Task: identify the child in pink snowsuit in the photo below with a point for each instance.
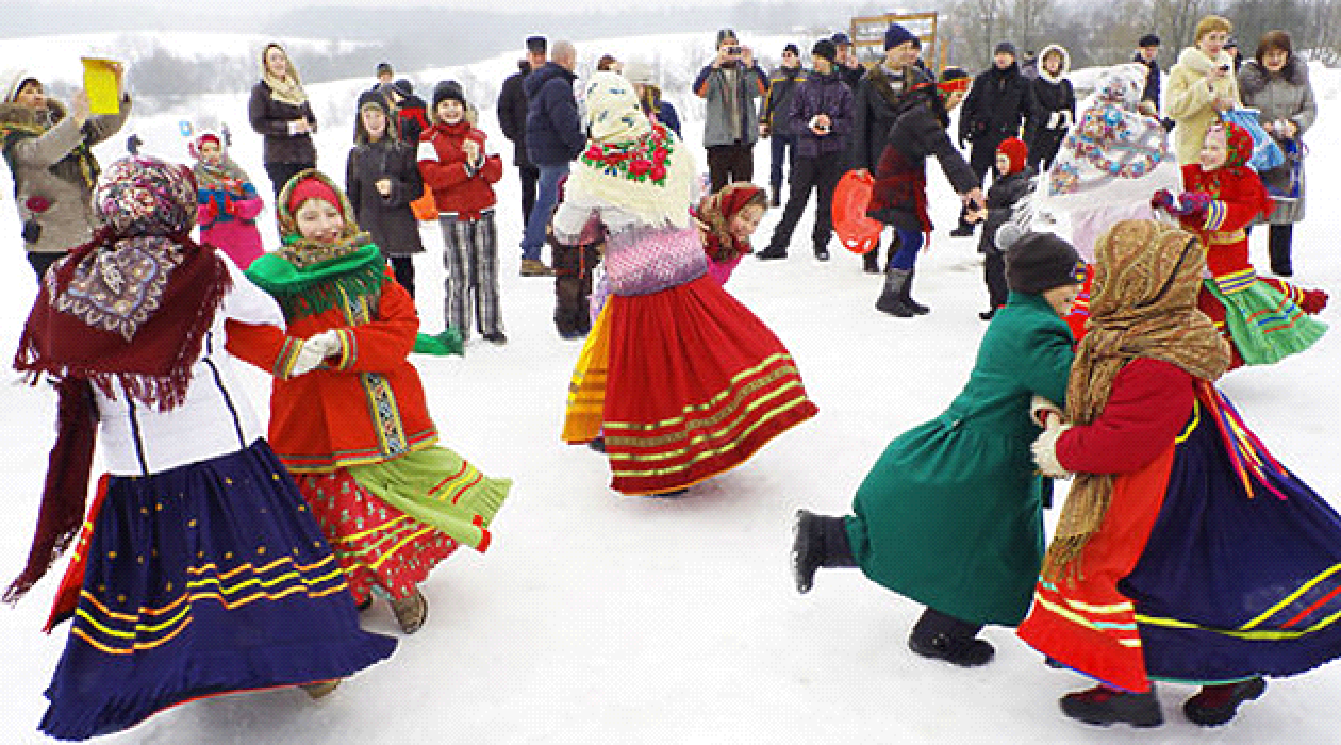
(228, 203)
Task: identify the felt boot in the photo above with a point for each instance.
(891, 299)
(818, 541)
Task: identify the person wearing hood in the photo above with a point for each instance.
(997, 106)
(512, 106)
(554, 138)
(457, 167)
(821, 119)
(1201, 87)
(1053, 107)
(381, 179)
(229, 203)
(280, 112)
(49, 151)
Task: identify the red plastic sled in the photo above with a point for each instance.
(857, 232)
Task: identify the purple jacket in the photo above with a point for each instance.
(821, 94)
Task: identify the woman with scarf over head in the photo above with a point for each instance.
(229, 203)
(203, 572)
(280, 112)
(1185, 551)
(684, 380)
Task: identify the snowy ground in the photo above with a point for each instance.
(596, 618)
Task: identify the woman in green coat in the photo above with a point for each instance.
(952, 514)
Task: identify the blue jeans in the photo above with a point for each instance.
(782, 144)
(546, 197)
(910, 242)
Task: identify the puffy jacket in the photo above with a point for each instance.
(458, 187)
(553, 128)
(778, 99)
(996, 105)
(512, 109)
(821, 94)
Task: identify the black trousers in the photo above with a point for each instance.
(573, 267)
(1279, 242)
(403, 266)
(728, 163)
(530, 177)
(822, 175)
(280, 173)
(994, 274)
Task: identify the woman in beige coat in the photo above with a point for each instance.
(49, 150)
(1201, 87)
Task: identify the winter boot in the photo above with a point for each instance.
(597, 443)
(870, 261)
(940, 637)
(773, 252)
(908, 300)
(1278, 244)
(411, 612)
(822, 253)
(818, 541)
(891, 299)
(1103, 706)
(1217, 704)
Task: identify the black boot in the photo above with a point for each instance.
(942, 637)
(917, 307)
(1104, 706)
(870, 261)
(818, 541)
(1279, 246)
(772, 252)
(892, 296)
(1215, 705)
(822, 253)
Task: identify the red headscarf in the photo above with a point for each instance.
(718, 209)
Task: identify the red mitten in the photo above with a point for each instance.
(1314, 301)
(205, 214)
(1163, 200)
(1193, 203)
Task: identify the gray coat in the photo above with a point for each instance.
(51, 187)
(1281, 97)
(711, 85)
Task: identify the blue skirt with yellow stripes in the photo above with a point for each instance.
(206, 579)
(1241, 575)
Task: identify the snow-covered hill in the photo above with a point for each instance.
(596, 618)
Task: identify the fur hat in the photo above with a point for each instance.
(1148, 40)
(896, 35)
(447, 89)
(1006, 47)
(537, 44)
(1040, 261)
(1016, 151)
(826, 49)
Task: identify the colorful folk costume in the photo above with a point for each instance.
(356, 432)
(1185, 551)
(229, 203)
(685, 381)
(1265, 319)
(951, 515)
(1109, 165)
(715, 212)
(202, 569)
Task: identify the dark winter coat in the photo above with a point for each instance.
(1052, 108)
(1282, 96)
(54, 171)
(778, 99)
(270, 118)
(1006, 191)
(1152, 80)
(996, 106)
(951, 515)
(512, 112)
(665, 113)
(821, 94)
(900, 194)
(875, 105)
(389, 220)
(852, 75)
(553, 128)
(411, 119)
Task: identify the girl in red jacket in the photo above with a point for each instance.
(1264, 319)
(455, 166)
(348, 414)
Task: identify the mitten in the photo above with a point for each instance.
(1314, 301)
(247, 209)
(1054, 120)
(327, 342)
(1040, 408)
(1045, 453)
(1163, 200)
(306, 360)
(1193, 203)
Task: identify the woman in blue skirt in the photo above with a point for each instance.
(203, 572)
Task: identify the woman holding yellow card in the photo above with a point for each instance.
(49, 150)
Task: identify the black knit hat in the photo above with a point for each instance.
(1149, 40)
(824, 48)
(896, 35)
(793, 49)
(374, 98)
(403, 87)
(1040, 261)
(445, 90)
(537, 44)
(840, 38)
(1006, 47)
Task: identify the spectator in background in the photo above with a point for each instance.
(639, 73)
(411, 111)
(1232, 47)
(280, 112)
(849, 66)
(1054, 107)
(1276, 84)
(381, 179)
(608, 63)
(996, 107)
(512, 106)
(386, 74)
(227, 202)
(1147, 50)
(554, 137)
(774, 123)
(730, 84)
(1201, 87)
(821, 117)
(877, 104)
(49, 150)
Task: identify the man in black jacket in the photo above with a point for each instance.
(512, 118)
(1147, 50)
(995, 109)
(554, 138)
(774, 121)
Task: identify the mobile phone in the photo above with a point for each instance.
(1224, 68)
(733, 50)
